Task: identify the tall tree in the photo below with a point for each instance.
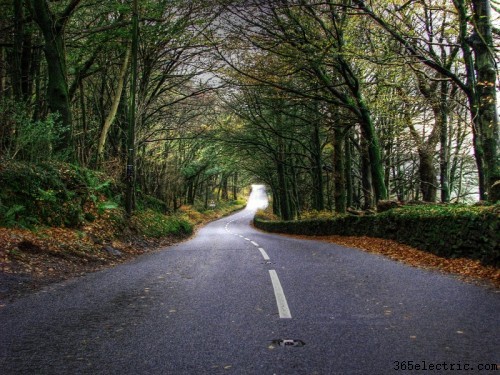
(308, 39)
(485, 112)
(131, 143)
(52, 26)
(114, 107)
(479, 64)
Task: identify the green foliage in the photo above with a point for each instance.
(145, 202)
(266, 215)
(448, 231)
(31, 140)
(315, 214)
(9, 215)
(222, 208)
(105, 206)
(36, 138)
(199, 215)
(60, 195)
(237, 202)
(50, 193)
(154, 224)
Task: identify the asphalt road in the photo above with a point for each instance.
(234, 300)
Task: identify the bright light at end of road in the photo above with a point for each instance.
(258, 198)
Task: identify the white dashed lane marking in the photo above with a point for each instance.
(262, 251)
(283, 309)
(264, 254)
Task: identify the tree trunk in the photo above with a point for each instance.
(366, 176)
(444, 152)
(426, 147)
(83, 156)
(339, 172)
(285, 213)
(29, 60)
(114, 107)
(427, 174)
(207, 192)
(235, 186)
(52, 27)
(295, 196)
(317, 171)
(17, 50)
(373, 151)
(275, 202)
(130, 171)
(3, 71)
(225, 190)
(40, 109)
(481, 80)
(388, 155)
(190, 191)
(487, 116)
(348, 170)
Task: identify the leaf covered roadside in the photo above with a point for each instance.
(467, 269)
(33, 258)
(30, 260)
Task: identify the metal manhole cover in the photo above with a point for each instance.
(288, 342)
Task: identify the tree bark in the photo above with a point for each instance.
(224, 185)
(284, 206)
(317, 171)
(130, 170)
(19, 67)
(16, 72)
(487, 116)
(190, 192)
(479, 85)
(52, 27)
(427, 147)
(427, 174)
(235, 186)
(348, 169)
(340, 194)
(114, 107)
(366, 175)
(374, 160)
(444, 151)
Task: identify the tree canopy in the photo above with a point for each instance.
(333, 105)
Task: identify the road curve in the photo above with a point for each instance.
(234, 300)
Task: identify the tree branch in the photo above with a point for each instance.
(413, 50)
